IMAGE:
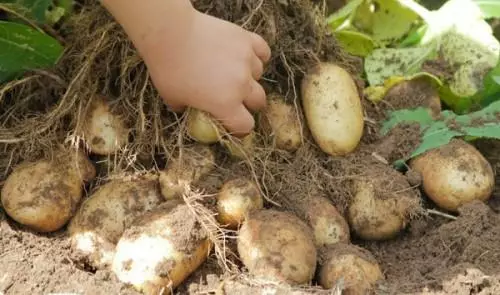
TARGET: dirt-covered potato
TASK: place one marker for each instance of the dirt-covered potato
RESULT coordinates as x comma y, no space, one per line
329,226
240,148
102,218
161,248
186,169
201,127
44,195
356,266
382,203
455,174
333,110
280,120
236,199
277,246
104,131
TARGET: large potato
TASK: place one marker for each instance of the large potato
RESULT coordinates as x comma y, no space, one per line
280,120
161,249
102,218
332,108
105,132
455,174
382,204
277,246
356,266
186,169
44,195
236,199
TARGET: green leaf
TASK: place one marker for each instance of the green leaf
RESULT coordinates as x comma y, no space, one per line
491,87
337,18
490,8
435,133
24,48
33,9
355,43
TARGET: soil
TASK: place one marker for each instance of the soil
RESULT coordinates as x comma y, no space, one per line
436,254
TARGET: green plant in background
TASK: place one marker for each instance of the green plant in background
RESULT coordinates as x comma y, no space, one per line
24,45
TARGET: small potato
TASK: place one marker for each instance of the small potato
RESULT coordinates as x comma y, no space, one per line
333,109
235,200
44,195
201,127
241,148
383,202
188,168
105,132
277,246
161,249
329,226
103,217
282,123
455,174
356,266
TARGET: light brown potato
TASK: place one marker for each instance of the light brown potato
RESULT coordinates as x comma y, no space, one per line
235,200
333,110
161,249
280,120
103,217
105,132
455,174
277,246
186,169
329,226
383,203
356,266
44,195
240,148
201,127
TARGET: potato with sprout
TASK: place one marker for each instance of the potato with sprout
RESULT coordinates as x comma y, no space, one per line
102,218
236,199
186,169
455,174
44,195
161,248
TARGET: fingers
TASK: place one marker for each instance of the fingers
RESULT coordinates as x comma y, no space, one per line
256,99
260,47
257,68
238,121
176,107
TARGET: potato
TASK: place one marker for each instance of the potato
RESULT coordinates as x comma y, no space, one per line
201,127
104,131
240,148
277,246
280,120
236,199
102,218
332,108
187,169
455,174
356,266
383,202
161,249
44,195
329,226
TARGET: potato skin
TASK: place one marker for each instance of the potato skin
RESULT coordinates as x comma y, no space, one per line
241,148
277,246
455,174
333,110
358,268
281,122
161,248
102,218
187,169
235,200
201,127
105,132
44,195
383,202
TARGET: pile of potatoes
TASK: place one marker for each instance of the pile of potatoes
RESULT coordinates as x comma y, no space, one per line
141,227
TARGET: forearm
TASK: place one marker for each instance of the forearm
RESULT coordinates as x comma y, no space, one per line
149,22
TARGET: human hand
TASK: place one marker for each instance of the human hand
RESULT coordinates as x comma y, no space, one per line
215,67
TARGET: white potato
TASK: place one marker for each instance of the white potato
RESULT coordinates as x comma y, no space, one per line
241,148
201,127
332,108
455,174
